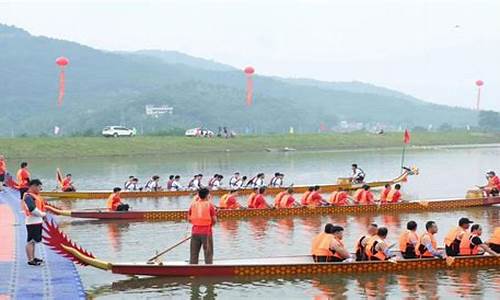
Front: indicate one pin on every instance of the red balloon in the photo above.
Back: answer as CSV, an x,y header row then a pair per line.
x,y
62,61
479,82
249,70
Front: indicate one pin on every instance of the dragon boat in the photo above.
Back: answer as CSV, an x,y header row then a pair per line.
x,y
343,184
261,267
473,200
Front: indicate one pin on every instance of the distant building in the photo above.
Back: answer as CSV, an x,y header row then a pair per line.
x,y
157,111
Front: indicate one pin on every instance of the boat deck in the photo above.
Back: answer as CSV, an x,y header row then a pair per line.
x,y
57,278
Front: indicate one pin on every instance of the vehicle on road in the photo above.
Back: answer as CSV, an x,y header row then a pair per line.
x,y
118,131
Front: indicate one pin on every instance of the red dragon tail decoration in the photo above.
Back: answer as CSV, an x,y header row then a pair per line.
x,y
55,239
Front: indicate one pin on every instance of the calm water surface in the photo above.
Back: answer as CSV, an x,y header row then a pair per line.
x,y
444,173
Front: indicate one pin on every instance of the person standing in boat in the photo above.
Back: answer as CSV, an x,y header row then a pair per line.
x,y
23,178
114,202
358,175
409,240
67,184
454,237
427,246
202,215
33,206
471,243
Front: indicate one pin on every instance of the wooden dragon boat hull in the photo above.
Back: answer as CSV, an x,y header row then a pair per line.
x,y
265,267
326,188
180,215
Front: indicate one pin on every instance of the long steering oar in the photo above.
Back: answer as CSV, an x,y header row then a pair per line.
x,y
152,259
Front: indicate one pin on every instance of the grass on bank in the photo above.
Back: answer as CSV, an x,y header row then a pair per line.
x,y
47,147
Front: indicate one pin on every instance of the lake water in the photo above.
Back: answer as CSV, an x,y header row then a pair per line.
x,y
443,173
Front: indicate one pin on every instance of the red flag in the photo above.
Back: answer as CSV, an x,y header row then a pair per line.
x,y
406,138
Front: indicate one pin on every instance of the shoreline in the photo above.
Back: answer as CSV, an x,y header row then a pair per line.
x,y
88,147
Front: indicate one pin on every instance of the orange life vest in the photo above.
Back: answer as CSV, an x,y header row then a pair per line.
x,y
304,198
383,195
356,195
338,198
277,199
422,249
360,249
405,244
371,252
466,246
494,182
393,196
452,236
321,244
338,243
23,177
39,203
113,201
200,213
284,201
66,183
312,202
495,237
251,200
365,198
223,201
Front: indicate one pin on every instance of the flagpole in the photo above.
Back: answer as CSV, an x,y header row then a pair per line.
x,y
403,157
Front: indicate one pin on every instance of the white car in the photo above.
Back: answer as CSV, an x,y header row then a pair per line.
x,y
117,131
199,132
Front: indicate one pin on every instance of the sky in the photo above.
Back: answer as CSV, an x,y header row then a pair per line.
x,y
433,50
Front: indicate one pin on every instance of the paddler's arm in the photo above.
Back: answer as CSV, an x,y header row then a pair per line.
x,y
340,250
431,249
486,248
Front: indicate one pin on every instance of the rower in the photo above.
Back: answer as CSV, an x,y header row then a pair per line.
x,y
493,186
129,180
133,186
23,178
320,248
212,181
494,241
471,242
408,241
453,239
229,200
376,247
314,199
358,175
259,181
394,196
153,185
273,180
365,196
251,198
427,246
235,181
361,243
337,247
67,184
33,206
176,184
114,202
170,182
191,183
287,200
339,198
277,180
259,201
383,194
277,198
303,200
202,215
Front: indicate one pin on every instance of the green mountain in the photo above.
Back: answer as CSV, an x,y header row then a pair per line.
x,y
106,88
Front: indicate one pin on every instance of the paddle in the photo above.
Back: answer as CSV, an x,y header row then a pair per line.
x,y
152,259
